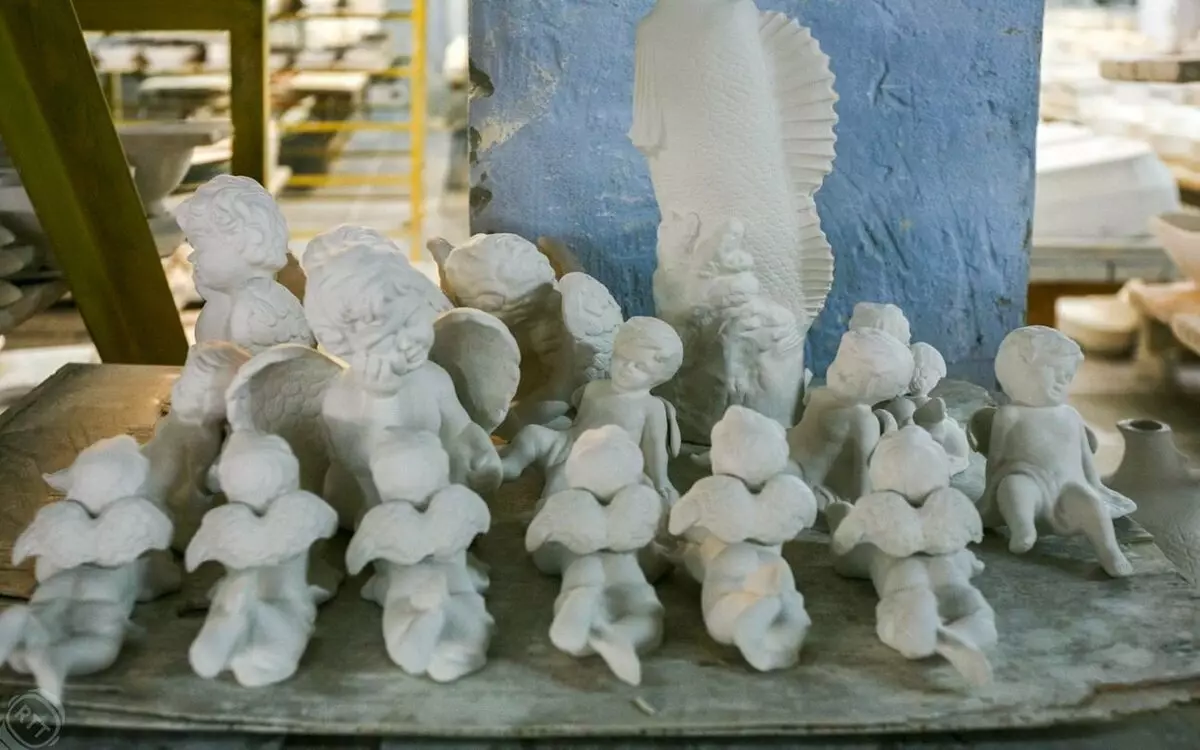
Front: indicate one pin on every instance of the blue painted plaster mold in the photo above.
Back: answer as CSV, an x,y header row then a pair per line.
x,y
930,202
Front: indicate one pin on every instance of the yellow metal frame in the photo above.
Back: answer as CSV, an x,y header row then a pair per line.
x,y
415,72
246,22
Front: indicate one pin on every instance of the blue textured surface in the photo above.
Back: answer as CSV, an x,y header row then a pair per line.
x,y
930,201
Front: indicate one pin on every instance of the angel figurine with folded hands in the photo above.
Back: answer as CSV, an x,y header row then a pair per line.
x,y
909,537
99,551
263,610
734,524
592,532
435,619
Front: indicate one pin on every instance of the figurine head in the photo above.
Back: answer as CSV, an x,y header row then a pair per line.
x,y
198,396
908,461
884,316
928,369
749,446
254,469
409,466
236,231
339,239
1035,365
871,366
646,353
502,274
603,461
373,310
104,472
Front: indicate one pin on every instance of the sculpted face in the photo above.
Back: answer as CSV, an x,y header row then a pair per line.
x,y
388,349
1036,364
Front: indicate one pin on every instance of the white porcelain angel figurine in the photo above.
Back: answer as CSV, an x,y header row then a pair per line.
x,y
564,327
592,532
646,353
918,407
1041,473
435,620
239,242
735,523
365,308
910,537
263,610
187,441
839,430
99,551
883,316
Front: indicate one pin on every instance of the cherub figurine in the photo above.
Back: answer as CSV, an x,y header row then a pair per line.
x,y
187,441
882,316
646,353
839,429
365,309
918,407
909,536
735,523
593,532
435,620
263,610
99,551
239,243
1041,475
564,328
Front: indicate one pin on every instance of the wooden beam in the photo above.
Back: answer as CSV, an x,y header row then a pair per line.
x,y
156,15
250,99
57,130
1153,69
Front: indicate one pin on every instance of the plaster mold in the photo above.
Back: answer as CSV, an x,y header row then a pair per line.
x,y
564,327
646,353
734,524
592,532
435,620
263,610
240,242
1041,473
738,139
99,552
839,429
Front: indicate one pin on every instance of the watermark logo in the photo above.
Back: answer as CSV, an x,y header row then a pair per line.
x,y
31,721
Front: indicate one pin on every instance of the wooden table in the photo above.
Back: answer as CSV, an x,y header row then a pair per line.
x,y
1076,647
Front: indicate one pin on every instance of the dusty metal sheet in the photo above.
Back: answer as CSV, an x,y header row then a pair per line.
x,y
1075,646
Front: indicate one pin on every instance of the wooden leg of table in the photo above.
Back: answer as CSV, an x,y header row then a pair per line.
x,y
250,103
57,130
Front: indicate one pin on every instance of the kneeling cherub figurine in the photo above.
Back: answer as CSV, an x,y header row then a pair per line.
x,y
1041,474
646,353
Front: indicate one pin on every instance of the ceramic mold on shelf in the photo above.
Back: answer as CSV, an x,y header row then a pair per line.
x,y
734,112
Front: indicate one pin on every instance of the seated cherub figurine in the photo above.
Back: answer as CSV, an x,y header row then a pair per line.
x,y
99,551
918,407
365,309
646,353
593,532
239,242
909,536
839,429
435,620
1041,474
735,523
263,610
564,327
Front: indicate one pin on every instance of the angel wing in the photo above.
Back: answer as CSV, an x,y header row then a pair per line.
x,y
674,439
950,521
572,518
399,533
264,313
784,507
947,522
280,392
591,317
718,504
632,518
237,537
979,429
64,535
482,358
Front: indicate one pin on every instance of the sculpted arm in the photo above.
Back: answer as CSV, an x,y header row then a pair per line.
x,y
655,447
